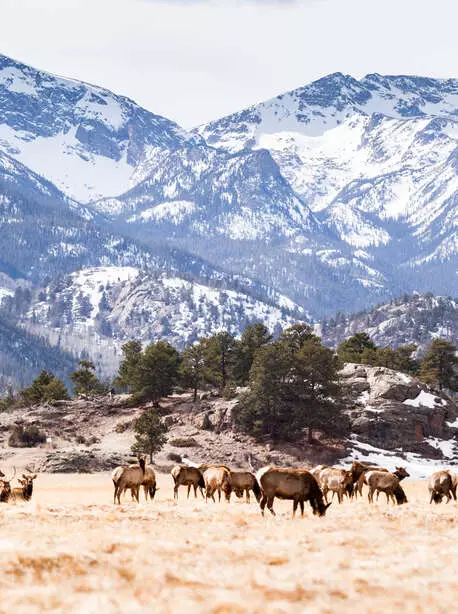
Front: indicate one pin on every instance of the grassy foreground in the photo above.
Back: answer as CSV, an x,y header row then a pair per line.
x,y
72,550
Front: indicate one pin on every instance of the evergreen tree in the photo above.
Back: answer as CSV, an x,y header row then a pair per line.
x,y
46,388
149,374
315,389
265,408
357,348
253,338
292,390
439,365
85,381
295,336
150,433
128,369
399,359
220,358
193,368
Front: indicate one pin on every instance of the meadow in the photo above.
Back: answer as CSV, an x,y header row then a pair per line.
x,y
72,550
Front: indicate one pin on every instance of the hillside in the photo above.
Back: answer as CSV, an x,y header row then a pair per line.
x,y
406,320
94,311
392,417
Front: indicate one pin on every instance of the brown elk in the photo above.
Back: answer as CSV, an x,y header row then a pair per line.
x,y
358,471
131,476
335,480
187,476
442,484
297,485
385,482
217,479
25,491
5,493
244,481
149,483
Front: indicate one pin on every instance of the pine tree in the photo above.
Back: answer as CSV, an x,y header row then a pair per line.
x,y
149,374
254,337
439,365
220,357
150,433
193,369
85,381
295,336
265,408
357,348
128,369
291,391
46,388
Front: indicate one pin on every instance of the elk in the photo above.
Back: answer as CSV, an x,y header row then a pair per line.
x,y
187,476
442,484
358,471
298,485
316,472
149,483
5,493
385,482
131,476
335,480
25,491
245,481
217,479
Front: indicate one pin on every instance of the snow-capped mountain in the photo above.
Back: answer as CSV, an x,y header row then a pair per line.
x,y
375,160
407,320
85,139
335,196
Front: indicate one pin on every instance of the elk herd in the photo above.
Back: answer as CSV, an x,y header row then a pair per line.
x,y
315,485
21,493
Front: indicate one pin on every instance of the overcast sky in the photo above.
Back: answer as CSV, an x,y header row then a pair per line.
x,y
196,60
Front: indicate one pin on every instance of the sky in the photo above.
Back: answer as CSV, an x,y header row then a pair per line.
x,y
196,60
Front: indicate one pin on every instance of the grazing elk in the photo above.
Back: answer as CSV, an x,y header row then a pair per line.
x,y
244,481
385,482
217,479
335,480
442,484
149,483
187,476
25,491
400,472
297,485
131,476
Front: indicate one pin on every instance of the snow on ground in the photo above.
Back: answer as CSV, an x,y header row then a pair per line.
x,y
417,466
424,399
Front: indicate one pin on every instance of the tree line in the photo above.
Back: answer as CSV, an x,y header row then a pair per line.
x,y
290,385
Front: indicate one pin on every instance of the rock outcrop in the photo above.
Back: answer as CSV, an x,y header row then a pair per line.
x,y
393,410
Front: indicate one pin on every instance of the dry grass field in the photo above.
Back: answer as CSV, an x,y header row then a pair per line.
x,y
72,550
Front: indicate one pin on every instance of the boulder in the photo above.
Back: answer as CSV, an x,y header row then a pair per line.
x,y
396,410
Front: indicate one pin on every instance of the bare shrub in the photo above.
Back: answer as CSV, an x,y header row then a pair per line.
x,y
184,442
26,437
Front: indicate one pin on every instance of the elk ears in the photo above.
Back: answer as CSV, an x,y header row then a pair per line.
x,y
34,477
22,482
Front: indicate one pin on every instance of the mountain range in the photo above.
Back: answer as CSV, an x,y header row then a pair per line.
x,y
332,197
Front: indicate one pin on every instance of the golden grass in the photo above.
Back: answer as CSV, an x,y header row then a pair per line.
x,y
72,550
